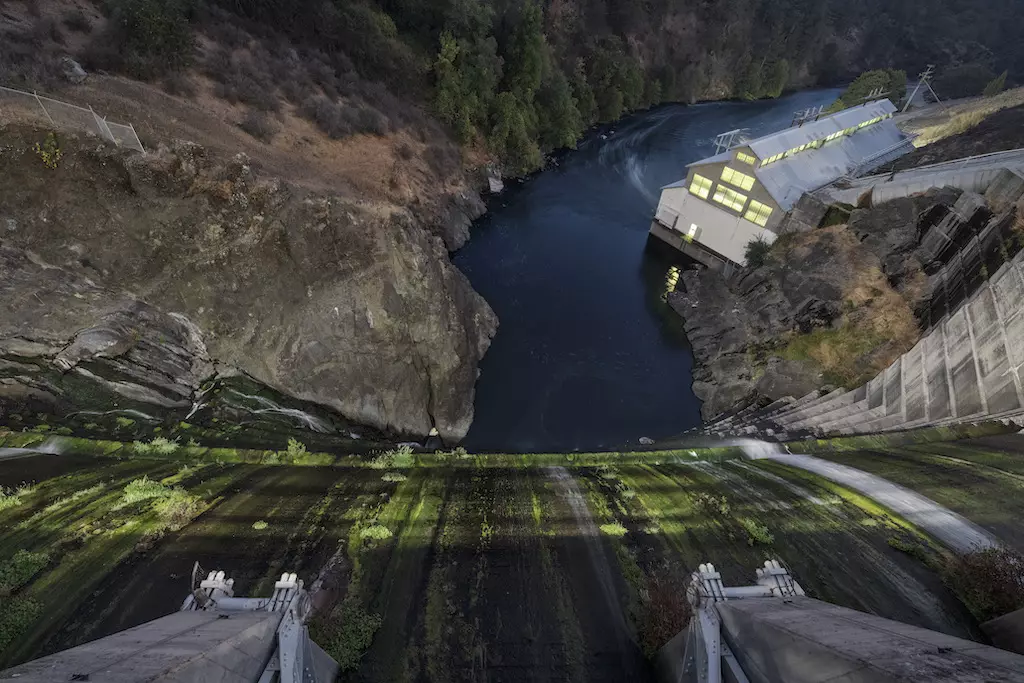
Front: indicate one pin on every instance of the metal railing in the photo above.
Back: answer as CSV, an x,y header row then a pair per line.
x,y
64,115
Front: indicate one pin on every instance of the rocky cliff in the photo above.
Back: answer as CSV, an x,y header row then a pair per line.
x,y
831,306
147,275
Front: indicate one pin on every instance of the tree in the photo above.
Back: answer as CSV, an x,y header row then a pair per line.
x,y
584,94
510,138
776,78
996,85
966,80
560,121
525,60
891,82
450,101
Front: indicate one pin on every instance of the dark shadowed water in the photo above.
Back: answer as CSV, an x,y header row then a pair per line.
x,y
588,354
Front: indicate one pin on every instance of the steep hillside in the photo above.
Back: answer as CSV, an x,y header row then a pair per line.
x,y
141,277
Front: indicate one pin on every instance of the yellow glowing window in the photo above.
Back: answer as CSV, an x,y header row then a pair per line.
x,y
740,180
758,213
700,186
730,198
746,158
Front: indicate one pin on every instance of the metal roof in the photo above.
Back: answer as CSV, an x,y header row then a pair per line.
x,y
791,138
787,179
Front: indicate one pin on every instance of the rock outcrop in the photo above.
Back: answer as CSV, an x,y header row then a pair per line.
x,y
177,267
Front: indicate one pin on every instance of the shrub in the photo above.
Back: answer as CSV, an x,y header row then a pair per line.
x,y
179,84
346,633
712,504
260,125
19,570
145,38
10,498
398,457
327,116
613,529
158,446
394,477
665,610
16,619
50,151
756,253
757,532
296,449
139,490
966,80
259,525
995,86
375,532
989,582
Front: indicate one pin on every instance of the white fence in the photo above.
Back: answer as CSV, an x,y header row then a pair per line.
x,y
64,115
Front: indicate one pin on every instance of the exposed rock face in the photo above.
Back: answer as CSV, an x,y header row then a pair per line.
x,y
341,303
737,329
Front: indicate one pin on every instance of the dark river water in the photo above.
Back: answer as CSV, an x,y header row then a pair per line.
x,y
588,354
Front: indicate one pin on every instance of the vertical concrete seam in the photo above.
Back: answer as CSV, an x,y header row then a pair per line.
x,y
974,350
1014,375
924,379
949,371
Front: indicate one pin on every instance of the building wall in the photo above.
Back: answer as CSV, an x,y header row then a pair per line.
x,y
718,229
758,192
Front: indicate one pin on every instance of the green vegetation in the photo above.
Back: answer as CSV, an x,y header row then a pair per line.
x,y
16,617
145,38
174,506
756,253
892,82
965,80
260,525
757,532
124,422
996,85
712,504
613,529
375,532
296,449
19,570
158,446
352,634
838,352
50,153
399,457
990,582
12,497
393,477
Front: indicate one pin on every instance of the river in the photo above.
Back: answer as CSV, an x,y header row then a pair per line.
x,y
588,354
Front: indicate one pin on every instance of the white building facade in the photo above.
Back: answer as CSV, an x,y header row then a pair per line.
x,y
742,195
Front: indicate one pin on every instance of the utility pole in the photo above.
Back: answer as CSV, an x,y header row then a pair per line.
x,y
923,79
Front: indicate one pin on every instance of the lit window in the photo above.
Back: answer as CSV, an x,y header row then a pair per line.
x,y
758,213
740,180
700,186
746,158
730,198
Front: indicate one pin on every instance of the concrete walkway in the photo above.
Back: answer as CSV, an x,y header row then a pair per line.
x,y
952,530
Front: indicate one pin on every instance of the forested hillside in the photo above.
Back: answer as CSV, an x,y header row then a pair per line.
x,y
520,77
